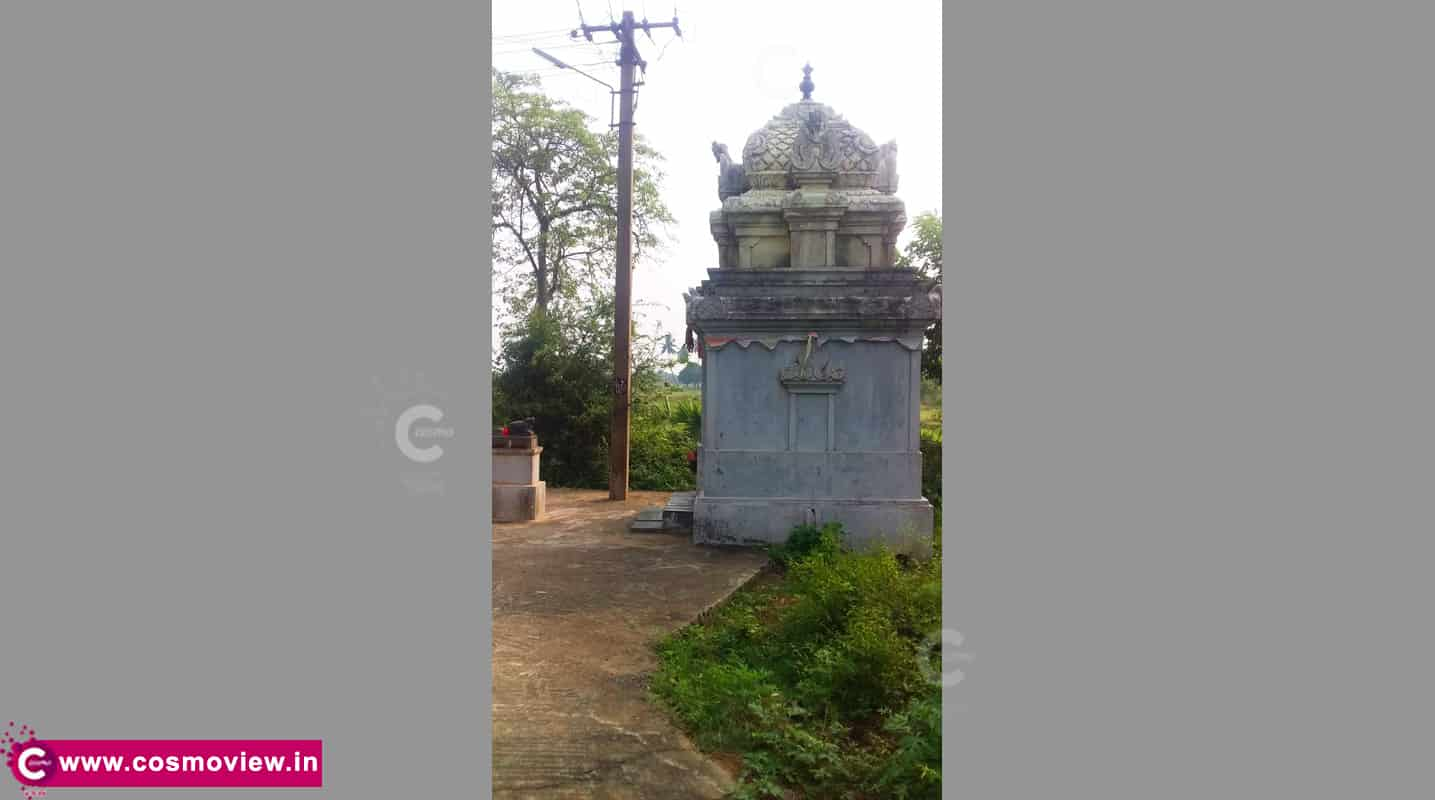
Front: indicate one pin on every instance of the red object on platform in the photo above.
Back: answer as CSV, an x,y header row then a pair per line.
x,y
505,430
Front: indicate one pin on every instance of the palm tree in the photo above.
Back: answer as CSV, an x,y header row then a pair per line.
x,y
668,346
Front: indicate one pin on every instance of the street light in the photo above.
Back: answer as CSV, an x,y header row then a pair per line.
x,y
561,65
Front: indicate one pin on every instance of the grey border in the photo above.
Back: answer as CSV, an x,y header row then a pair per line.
x,y
221,226
1189,399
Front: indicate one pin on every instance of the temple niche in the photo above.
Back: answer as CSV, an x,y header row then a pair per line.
x,y
810,338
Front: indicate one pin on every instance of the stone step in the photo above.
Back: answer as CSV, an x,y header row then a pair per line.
x,y
649,519
678,513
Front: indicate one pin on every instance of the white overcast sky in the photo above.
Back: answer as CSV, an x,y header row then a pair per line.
x,y
738,64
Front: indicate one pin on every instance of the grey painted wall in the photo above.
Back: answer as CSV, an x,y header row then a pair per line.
x,y
859,440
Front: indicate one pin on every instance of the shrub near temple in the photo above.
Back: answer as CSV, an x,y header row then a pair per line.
x,y
816,678
658,449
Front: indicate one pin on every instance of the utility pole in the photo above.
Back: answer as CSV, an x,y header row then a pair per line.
x,y
628,60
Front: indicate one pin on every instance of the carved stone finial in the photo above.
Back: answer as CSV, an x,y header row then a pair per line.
x,y
807,86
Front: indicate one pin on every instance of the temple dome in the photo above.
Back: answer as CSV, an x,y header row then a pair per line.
x,y
812,192
808,136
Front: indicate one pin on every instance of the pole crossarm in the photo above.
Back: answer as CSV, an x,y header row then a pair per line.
x,y
623,33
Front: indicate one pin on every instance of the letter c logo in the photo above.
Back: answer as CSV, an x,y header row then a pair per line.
x,y
403,436
22,763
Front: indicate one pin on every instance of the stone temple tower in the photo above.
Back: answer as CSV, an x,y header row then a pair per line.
x,y
810,339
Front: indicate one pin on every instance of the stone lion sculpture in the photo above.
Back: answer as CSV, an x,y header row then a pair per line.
x,y
732,178
886,180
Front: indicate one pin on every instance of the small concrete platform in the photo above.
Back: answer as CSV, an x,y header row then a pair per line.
x,y
518,494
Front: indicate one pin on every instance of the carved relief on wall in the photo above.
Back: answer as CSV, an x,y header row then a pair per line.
x,y
804,370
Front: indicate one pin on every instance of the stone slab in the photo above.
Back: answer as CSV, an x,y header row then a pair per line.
x,y
518,503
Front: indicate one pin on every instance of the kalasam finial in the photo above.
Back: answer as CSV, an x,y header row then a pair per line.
x,y
807,86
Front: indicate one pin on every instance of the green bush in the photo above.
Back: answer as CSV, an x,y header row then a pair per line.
x,y
932,475
816,679
657,454
805,540
716,695
932,465
560,376
865,611
560,373
931,393
688,412
913,769
790,749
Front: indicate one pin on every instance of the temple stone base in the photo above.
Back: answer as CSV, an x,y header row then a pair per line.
x,y
904,526
518,495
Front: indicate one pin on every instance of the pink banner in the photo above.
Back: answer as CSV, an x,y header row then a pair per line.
x,y
165,763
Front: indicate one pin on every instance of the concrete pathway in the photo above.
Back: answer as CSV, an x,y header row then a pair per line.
x,y
578,601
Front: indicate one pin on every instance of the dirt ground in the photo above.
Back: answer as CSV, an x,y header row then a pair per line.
x,y
578,601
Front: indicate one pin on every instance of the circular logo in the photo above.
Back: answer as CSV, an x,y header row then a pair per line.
x,y
940,647
405,433
33,763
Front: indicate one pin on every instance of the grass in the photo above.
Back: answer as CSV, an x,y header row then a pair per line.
x,y
686,393
815,676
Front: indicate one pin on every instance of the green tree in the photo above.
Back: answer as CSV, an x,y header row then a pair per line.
x,y
924,254
561,374
554,200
